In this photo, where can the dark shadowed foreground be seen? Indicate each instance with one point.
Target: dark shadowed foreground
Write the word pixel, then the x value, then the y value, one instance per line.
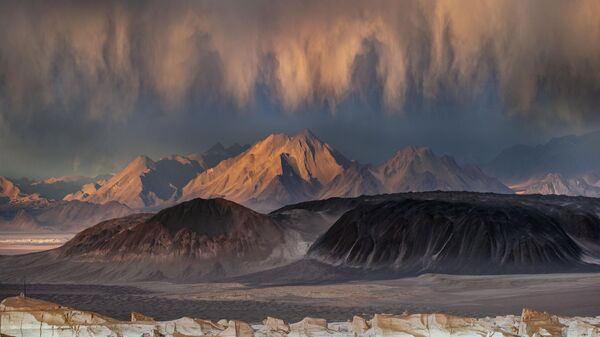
pixel 563 294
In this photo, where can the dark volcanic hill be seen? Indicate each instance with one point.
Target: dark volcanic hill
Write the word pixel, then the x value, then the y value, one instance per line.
pixel 201 239
pixel 420 236
pixel 199 229
pixel 578 214
pixel 395 235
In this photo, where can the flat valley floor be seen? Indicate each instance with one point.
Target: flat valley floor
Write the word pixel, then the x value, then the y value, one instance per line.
pixel 561 294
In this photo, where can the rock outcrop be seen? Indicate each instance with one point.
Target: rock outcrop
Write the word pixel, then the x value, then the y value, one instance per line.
pixel 26 317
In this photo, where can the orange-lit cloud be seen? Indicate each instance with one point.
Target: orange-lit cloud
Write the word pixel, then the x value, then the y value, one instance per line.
pixel 97 59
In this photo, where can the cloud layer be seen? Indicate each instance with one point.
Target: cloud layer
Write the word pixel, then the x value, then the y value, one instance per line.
pixel 83 65
pixel 100 57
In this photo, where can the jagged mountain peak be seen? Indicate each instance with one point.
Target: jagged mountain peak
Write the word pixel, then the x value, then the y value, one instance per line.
pixel 556 183
pixel 411 153
pixel 412 150
pixel 140 162
pixel 420 169
pixel 307 134
pixel 282 169
pixel 276 170
pixel 143 183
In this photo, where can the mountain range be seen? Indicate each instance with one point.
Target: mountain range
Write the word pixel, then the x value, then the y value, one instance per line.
pixel 279 170
pixel 282 169
pixel 148 184
pixel 36 206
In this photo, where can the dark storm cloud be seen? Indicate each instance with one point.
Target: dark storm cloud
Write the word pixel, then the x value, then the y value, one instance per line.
pixel 84 82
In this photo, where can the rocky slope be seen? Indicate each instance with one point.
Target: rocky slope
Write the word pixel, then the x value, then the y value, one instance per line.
pixel 195 240
pixel 22 316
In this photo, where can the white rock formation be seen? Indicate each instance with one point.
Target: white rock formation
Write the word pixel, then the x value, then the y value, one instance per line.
pixel 26 317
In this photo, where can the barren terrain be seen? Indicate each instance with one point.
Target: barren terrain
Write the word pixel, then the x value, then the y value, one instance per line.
pixel 563 294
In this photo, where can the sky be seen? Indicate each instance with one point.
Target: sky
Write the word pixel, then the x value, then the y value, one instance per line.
pixel 85 85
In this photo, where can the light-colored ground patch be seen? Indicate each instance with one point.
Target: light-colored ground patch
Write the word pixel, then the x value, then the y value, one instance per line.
pixel 22 243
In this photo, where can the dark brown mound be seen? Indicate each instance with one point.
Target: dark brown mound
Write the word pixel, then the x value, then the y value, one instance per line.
pixel 201 239
pixel 200 228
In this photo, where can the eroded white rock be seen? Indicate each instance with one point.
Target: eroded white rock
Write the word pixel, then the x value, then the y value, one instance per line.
pixel 26 317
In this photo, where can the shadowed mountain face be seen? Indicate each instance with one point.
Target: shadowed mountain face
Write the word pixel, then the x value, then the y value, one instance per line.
pixel 217 153
pixel 448 237
pixel 569 156
pixel 144 183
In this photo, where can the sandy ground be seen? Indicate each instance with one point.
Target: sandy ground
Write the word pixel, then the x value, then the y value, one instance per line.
pixel 564 294
pixel 22 243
